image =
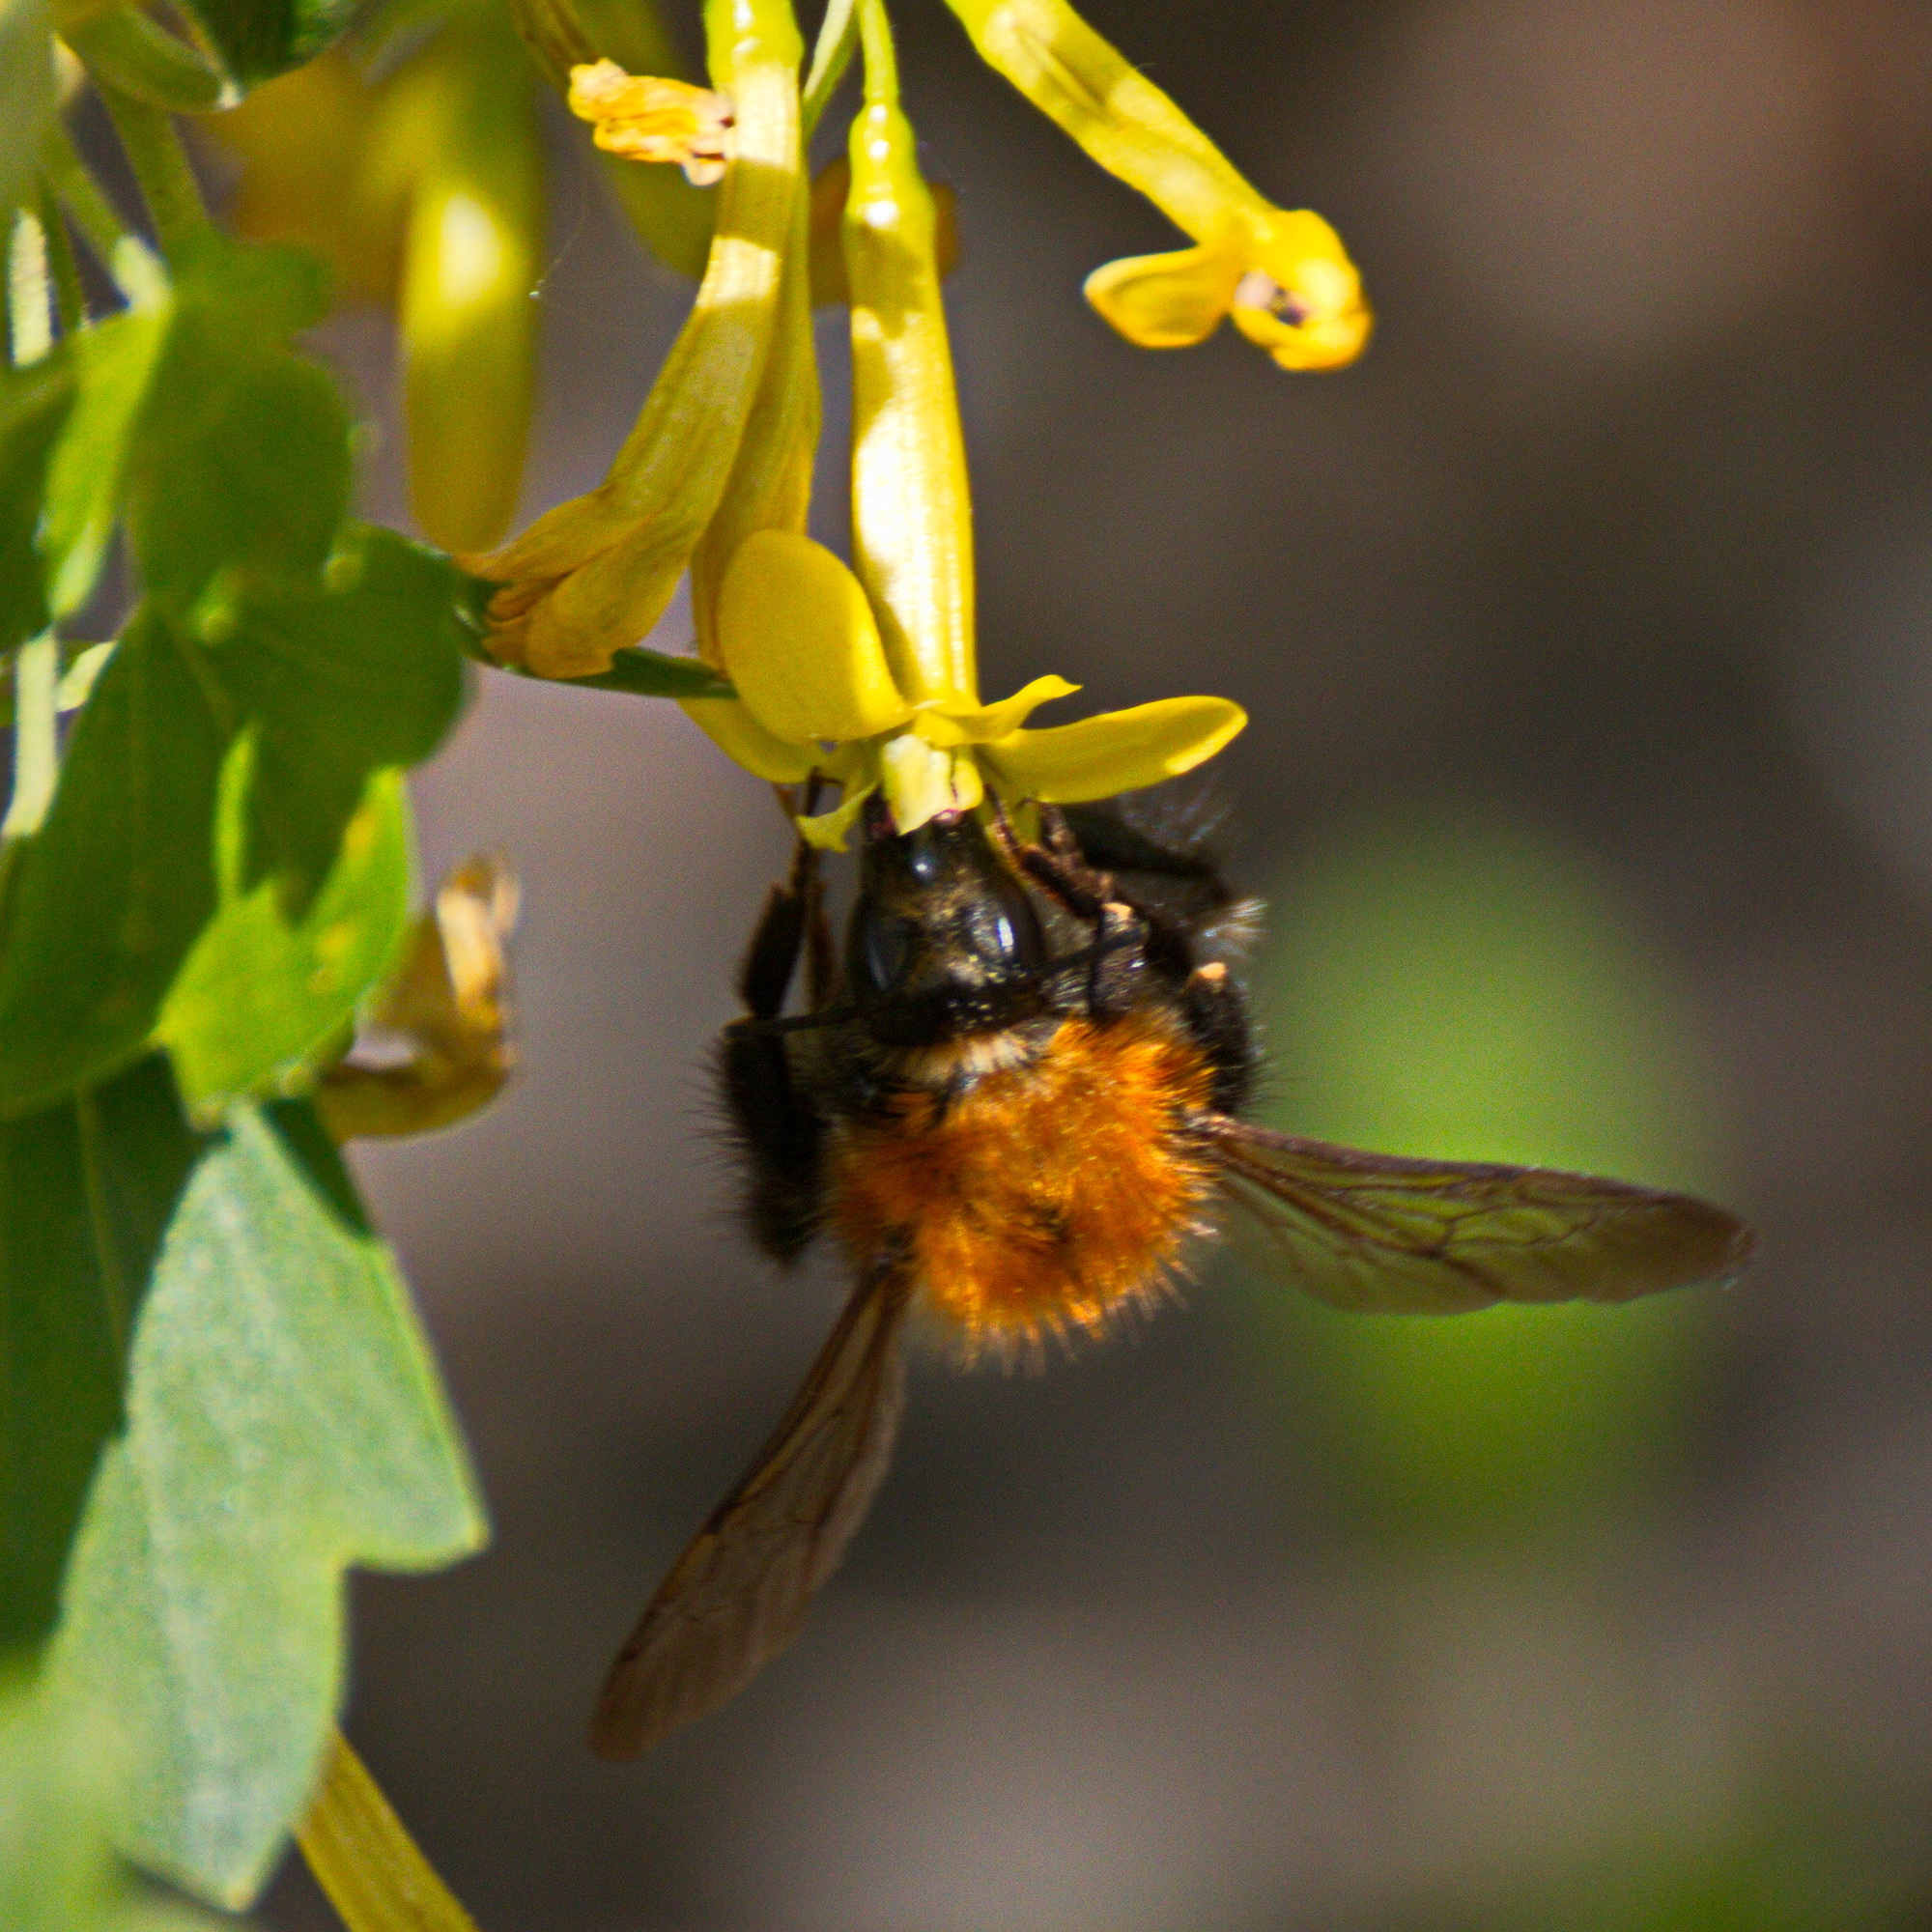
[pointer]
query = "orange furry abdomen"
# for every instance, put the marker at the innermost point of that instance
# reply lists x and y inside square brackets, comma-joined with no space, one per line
[1040,1199]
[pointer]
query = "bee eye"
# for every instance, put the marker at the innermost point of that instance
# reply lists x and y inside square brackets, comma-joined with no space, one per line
[1006,930]
[885,946]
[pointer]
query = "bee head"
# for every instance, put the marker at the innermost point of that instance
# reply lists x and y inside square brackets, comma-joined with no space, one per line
[944,939]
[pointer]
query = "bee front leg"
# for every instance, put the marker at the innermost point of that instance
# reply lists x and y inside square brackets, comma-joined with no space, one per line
[777,1127]
[779,1133]
[793,912]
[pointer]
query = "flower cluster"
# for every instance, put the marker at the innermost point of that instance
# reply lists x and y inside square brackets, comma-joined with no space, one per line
[864,674]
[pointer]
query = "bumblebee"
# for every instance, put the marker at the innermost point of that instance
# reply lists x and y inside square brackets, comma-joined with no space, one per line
[1015,1098]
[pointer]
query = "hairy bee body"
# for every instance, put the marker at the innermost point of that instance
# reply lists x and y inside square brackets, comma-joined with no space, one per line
[1040,1198]
[1012,1121]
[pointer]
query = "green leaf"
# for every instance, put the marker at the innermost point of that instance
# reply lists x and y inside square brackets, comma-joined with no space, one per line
[284,1422]
[241,463]
[334,685]
[34,406]
[261,996]
[234,450]
[86,1190]
[86,473]
[58,1872]
[256,40]
[646,674]
[28,93]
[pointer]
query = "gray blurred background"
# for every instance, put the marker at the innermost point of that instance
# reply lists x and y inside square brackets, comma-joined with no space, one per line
[1584,630]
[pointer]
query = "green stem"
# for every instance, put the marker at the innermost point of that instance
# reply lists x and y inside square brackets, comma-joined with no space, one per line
[831,56]
[84,198]
[160,165]
[36,739]
[882,66]
[69,301]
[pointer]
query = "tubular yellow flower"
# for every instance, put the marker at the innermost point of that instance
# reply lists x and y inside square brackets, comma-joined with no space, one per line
[912,513]
[1283,274]
[646,118]
[593,575]
[800,640]
[867,678]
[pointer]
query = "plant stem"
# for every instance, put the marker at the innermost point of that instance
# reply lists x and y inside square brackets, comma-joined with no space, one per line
[69,301]
[882,66]
[364,1859]
[126,257]
[71,178]
[831,56]
[160,165]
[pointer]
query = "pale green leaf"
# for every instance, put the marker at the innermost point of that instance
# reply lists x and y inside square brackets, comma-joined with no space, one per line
[284,1422]
[58,1871]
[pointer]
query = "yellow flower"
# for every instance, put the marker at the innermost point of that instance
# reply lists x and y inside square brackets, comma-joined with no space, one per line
[1284,277]
[801,643]
[646,118]
[593,575]
[869,678]
[1282,273]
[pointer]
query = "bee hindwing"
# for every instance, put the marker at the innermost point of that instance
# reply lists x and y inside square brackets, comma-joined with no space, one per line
[1377,1231]
[739,1592]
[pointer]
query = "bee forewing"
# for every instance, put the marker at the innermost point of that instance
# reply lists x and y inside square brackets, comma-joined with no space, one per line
[1377,1231]
[739,1592]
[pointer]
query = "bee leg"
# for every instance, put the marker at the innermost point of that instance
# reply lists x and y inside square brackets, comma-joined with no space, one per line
[791,908]
[1215,1011]
[780,1134]
[778,1129]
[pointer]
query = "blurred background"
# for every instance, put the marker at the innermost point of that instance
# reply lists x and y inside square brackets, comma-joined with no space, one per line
[1584,630]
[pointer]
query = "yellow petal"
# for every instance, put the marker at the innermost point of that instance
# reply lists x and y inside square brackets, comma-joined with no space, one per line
[1118,751]
[923,780]
[740,737]
[987,722]
[827,830]
[1168,302]
[801,644]
[1301,299]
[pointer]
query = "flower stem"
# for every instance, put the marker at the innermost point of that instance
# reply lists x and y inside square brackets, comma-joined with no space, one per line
[882,65]
[362,1857]
[69,300]
[831,56]
[83,197]
[160,165]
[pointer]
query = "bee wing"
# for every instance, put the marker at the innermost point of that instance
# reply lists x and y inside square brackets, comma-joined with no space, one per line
[739,1592]
[1377,1231]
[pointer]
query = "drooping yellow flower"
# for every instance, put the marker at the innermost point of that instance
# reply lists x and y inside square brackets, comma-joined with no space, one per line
[1284,278]
[593,575]
[869,677]
[647,118]
[1283,274]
